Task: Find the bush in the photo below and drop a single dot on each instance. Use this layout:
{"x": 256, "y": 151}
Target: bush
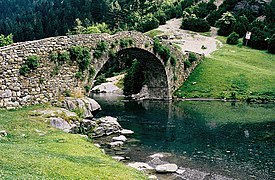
{"x": 53, "y": 56}
{"x": 163, "y": 51}
{"x": 192, "y": 57}
{"x": 191, "y": 22}
{"x": 271, "y": 44}
{"x": 258, "y": 39}
{"x": 160, "y": 15}
{"x": 63, "y": 57}
{"x": 4, "y": 41}
{"x": 30, "y": 64}
{"x": 233, "y": 38}
{"x": 148, "y": 23}
{"x": 173, "y": 61}
{"x": 187, "y": 64}
{"x": 101, "y": 47}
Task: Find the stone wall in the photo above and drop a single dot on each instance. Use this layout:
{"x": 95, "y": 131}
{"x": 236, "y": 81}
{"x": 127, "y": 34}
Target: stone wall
{"x": 40, "y": 86}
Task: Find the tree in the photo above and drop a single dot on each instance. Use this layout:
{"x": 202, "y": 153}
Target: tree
{"x": 271, "y": 44}
{"x": 4, "y": 41}
{"x": 232, "y": 38}
{"x": 148, "y": 23}
{"x": 226, "y": 24}
{"x": 241, "y": 25}
{"x": 191, "y": 22}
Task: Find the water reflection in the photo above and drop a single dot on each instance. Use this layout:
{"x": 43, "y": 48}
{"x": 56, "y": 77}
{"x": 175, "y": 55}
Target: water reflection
{"x": 232, "y": 138}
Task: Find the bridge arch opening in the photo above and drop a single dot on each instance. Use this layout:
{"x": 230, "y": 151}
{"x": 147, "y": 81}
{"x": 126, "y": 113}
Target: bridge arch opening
{"x": 144, "y": 73}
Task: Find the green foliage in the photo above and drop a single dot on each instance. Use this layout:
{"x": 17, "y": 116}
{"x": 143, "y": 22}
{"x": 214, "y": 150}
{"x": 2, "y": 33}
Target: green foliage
{"x": 162, "y": 50}
{"x": 4, "y": 41}
{"x": 112, "y": 54}
{"x": 134, "y": 78}
{"x": 79, "y": 75}
{"x": 24, "y": 70}
{"x": 161, "y": 17}
{"x": 63, "y": 57}
{"x": 148, "y": 23}
{"x": 126, "y": 42}
{"x": 187, "y": 64}
{"x": 30, "y": 64}
{"x": 271, "y": 44}
{"x": 67, "y": 93}
{"x": 82, "y": 56}
{"x": 191, "y": 22}
{"x": 241, "y": 25}
{"x": 79, "y": 112}
{"x": 100, "y": 79}
{"x": 55, "y": 70}
{"x": 87, "y": 88}
{"x": 173, "y": 61}
{"x": 258, "y": 39}
{"x": 192, "y": 57}
{"x": 53, "y": 56}
{"x": 226, "y": 24}
{"x": 101, "y": 47}
{"x": 233, "y": 38}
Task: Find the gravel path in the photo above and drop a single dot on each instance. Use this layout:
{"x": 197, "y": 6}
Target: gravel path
{"x": 189, "y": 40}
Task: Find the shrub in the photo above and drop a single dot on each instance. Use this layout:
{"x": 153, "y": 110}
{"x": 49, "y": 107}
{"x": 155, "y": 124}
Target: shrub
{"x": 258, "y": 39}
{"x": 233, "y": 38}
{"x": 101, "y": 47}
{"x": 63, "y": 57}
{"x": 4, "y": 41}
{"x": 173, "y": 61}
{"x": 148, "y": 23}
{"x": 78, "y": 75}
{"x": 163, "y": 51}
{"x": 24, "y": 70}
{"x": 67, "y": 93}
{"x": 187, "y": 64}
{"x": 87, "y": 88}
{"x": 97, "y": 54}
{"x": 161, "y": 17}
{"x": 192, "y": 57}
{"x": 271, "y": 44}
{"x": 32, "y": 62}
{"x": 100, "y": 79}
{"x": 191, "y": 22}
{"x": 53, "y": 56}
{"x": 124, "y": 43}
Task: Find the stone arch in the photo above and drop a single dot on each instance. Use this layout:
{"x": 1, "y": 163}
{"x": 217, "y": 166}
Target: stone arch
{"x": 158, "y": 85}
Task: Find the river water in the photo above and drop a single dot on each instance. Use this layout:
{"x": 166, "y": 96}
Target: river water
{"x": 235, "y": 140}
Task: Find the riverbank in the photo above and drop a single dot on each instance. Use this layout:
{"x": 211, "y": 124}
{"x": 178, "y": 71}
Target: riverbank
{"x": 32, "y": 149}
{"x": 233, "y": 72}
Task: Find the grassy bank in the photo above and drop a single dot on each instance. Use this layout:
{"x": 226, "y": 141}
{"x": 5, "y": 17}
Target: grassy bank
{"x": 34, "y": 150}
{"x": 233, "y": 72}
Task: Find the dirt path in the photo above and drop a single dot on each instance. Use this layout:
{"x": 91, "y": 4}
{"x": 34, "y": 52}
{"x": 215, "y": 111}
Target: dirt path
{"x": 189, "y": 40}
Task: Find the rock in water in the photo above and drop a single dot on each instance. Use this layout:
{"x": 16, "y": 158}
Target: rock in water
{"x": 126, "y": 132}
{"x": 89, "y": 106}
{"x": 167, "y": 168}
{"x": 120, "y": 138}
{"x": 140, "y": 166}
{"x": 116, "y": 144}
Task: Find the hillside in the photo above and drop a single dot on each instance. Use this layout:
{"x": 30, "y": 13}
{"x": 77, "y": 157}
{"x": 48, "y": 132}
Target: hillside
{"x": 233, "y": 72}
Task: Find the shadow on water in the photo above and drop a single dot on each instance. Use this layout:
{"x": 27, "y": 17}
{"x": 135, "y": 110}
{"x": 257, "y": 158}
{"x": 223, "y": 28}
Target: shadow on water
{"x": 234, "y": 139}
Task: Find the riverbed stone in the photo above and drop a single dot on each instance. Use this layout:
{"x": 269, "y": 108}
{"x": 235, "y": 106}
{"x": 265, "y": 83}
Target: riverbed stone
{"x": 118, "y": 158}
{"x": 120, "y": 138}
{"x": 187, "y": 173}
{"x": 141, "y": 166}
{"x": 116, "y": 144}
{"x": 126, "y": 132}
{"x": 166, "y": 168}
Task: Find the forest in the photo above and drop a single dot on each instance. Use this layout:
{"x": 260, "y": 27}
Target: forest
{"x": 37, "y": 19}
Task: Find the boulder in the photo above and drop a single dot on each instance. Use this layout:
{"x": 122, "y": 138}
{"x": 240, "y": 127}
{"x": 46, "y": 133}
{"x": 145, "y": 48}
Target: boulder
{"x": 118, "y": 158}
{"x": 166, "y": 168}
{"x": 126, "y": 132}
{"x": 116, "y": 144}
{"x": 106, "y": 126}
{"x": 140, "y": 166}
{"x": 89, "y": 106}
{"x": 120, "y": 138}
{"x": 152, "y": 177}
{"x": 60, "y": 124}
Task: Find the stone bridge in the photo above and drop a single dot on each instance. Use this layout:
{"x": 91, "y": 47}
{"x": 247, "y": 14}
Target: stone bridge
{"x": 42, "y": 85}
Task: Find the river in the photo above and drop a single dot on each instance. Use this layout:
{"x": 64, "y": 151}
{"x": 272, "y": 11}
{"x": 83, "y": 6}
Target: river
{"x": 235, "y": 140}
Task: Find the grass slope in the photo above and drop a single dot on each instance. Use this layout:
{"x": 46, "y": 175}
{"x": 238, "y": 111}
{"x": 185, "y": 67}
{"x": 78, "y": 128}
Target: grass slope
{"x": 24, "y": 154}
{"x": 233, "y": 72}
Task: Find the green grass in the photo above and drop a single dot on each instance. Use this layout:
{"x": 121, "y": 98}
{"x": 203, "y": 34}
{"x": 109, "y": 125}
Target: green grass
{"x": 232, "y": 72}
{"x": 56, "y": 155}
{"x": 153, "y": 33}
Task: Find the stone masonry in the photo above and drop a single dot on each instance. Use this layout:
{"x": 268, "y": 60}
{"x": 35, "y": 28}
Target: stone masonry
{"x": 40, "y": 86}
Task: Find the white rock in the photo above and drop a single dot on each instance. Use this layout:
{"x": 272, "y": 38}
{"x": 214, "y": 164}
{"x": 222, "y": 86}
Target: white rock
{"x": 140, "y": 166}
{"x": 97, "y": 145}
{"x": 120, "y": 138}
{"x": 180, "y": 171}
{"x": 116, "y": 143}
{"x": 152, "y": 177}
{"x": 157, "y": 155}
{"x": 119, "y": 158}
{"x": 126, "y": 132}
{"x": 60, "y": 124}
{"x": 167, "y": 168}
